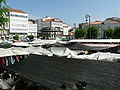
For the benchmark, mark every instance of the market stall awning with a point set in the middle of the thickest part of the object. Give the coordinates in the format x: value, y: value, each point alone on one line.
x: 79, y: 46
x: 53, y: 72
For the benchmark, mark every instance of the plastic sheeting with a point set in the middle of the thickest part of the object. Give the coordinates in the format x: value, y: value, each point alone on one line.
x: 105, y: 56
x: 59, y: 51
x: 79, y: 46
x: 21, y: 44
x: 42, y: 42
x: 6, y: 52
x: 38, y: 51
x: 63, y: 51
x: 12, y: 52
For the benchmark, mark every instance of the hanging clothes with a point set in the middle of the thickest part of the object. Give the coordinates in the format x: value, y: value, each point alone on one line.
x: 26, y: 56
x: 7, y: 61
x: 12, y: 60
x: 3, y: 61
x: 0, y: 62
x: 17, y: 58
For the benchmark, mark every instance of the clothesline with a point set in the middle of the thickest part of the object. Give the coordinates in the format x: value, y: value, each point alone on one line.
x: 9, y: 60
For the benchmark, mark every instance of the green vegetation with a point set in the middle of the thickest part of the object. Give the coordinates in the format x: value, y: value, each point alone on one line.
x: 4, y: 19
x: 16, y: 37
x: 92, y: 32
x: 112, y: 33
x: 80, y: 33
x: 108, y: 33
x: 31, y: 37
x: 116, y: 33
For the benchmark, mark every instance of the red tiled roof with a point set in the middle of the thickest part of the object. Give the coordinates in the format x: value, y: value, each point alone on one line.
x: 114, y: 22
x: 94, y: 23
x: 113, y: 18
x: 53, y: 20
x: 16, y: 10
x: 56, y: 18
x: 116, y: 18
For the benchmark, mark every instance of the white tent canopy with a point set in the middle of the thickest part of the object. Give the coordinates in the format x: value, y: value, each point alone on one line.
x: 62, y: 51
x: 42, y: 42
x: 6, y: 52
x: 20, y: 44
x: 106, y: 56
x: 19, y: 51
x: 38, y: 51
x: 11, y: 52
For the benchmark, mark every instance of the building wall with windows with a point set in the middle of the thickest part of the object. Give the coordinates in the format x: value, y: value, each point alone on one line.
x: 32, y: 28
x: 18, y: 22
x: 19, y: 25
x: 52, y: 27
x: 66, y: 29
x: 103, y: 25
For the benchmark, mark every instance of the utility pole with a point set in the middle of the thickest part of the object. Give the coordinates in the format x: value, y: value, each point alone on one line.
x: 74, y: 26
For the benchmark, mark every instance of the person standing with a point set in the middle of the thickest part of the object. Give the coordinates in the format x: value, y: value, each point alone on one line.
x: 6, y: 82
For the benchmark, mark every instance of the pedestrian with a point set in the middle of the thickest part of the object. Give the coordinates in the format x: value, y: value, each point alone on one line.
x: 6, y: 81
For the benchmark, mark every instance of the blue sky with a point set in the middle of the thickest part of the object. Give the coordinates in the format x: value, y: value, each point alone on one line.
x: 70, y: 11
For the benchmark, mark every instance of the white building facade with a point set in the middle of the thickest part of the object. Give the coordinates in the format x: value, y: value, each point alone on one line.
x: 66, y: 29
x: 19, y: 25
x: 18, y: 22
x: 32, y: 27
x: 103, y: 25
x: 52, y: 28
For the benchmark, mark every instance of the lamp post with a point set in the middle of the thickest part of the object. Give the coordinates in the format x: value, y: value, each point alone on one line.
x: 88, y: 19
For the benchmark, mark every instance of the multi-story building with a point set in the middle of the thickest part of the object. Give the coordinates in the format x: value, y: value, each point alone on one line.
x: 32, y: 28
x: 99, y: 24
x: 102, y: 25
x: 18, y: 22
x: 19, y: 25
x: 48, y: 27
x: 66, y: 29
x: 52, y: 28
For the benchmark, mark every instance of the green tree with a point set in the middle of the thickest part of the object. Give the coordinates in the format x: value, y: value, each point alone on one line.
x: 80, y: 33
x: 31, y: 37
x: 16, y: 37
x: 108, y: 33
x: 116, y: 33
x: 92, y: 32
x: 4, y: 12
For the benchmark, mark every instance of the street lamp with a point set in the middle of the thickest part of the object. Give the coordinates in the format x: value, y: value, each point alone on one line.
x: 88, y: 19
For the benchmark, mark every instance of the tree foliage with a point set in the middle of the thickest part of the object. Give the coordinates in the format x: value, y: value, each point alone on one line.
x: 16, y: 37
x: 31, y: 37
x: 92, y: 32
x: 108, y: 33
x: 80, y: 33
x: 116, y: 33
x: 4, y: 12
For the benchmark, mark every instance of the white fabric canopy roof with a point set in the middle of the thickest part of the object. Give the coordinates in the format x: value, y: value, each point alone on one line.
x: 6, y: 52
x: 11, y: 52
x: 20, y: 44
x: 62, y: 51
x: 106, y: 56
x: 43, y: 42
x: 38, y: 51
